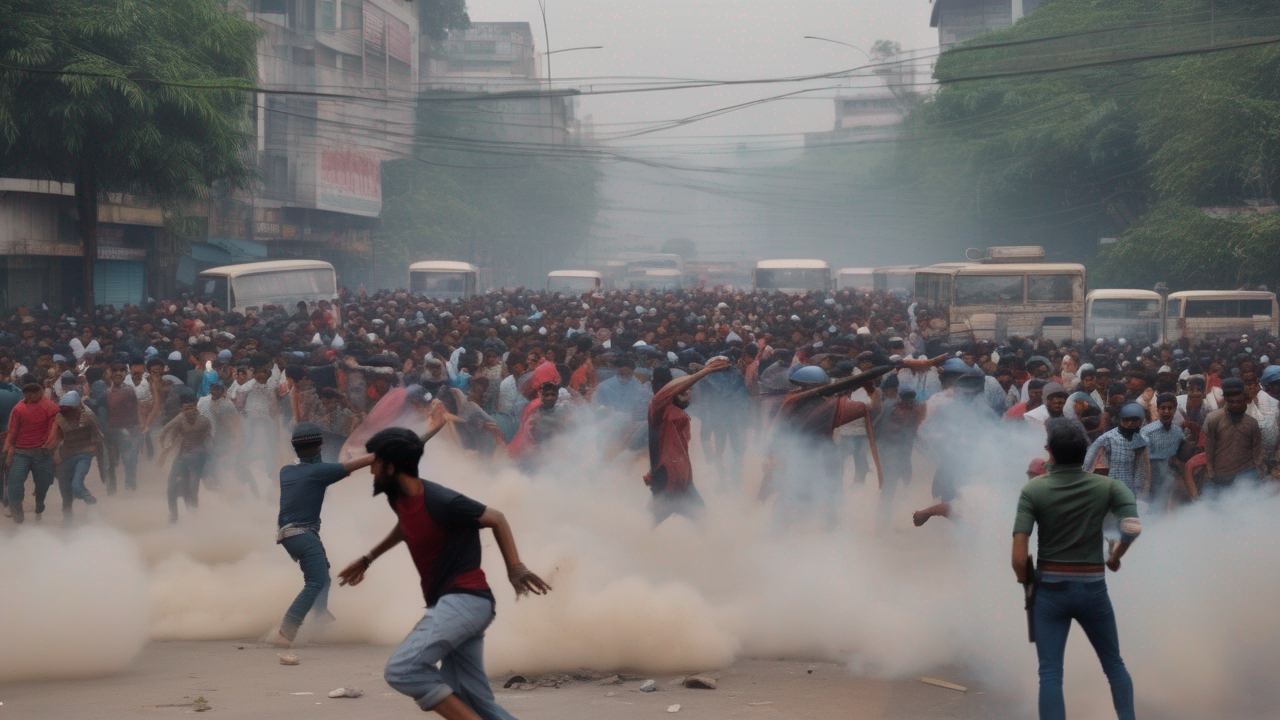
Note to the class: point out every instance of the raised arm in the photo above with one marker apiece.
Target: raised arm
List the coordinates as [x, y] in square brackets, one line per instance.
[680, 384]
[522, 579]
[846, 385]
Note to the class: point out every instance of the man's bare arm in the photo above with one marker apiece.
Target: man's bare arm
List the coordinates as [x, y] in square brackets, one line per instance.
[522, 579]
[1021, 551]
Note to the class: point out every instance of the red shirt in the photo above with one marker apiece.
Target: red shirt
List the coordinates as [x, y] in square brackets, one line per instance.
[442, 531]
[672, 427]
[29, 423]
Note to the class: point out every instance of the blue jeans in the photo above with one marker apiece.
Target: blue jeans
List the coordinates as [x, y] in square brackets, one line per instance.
[451, 634]
[123, 445]
[1057, 604]
[307, 550]
[72, 473]
[37, 462]
[184, 480]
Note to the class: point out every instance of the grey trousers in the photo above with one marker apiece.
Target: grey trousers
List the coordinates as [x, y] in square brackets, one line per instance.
[451, 634]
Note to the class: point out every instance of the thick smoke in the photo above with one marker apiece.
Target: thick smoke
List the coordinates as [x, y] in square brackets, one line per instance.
[1198, 630]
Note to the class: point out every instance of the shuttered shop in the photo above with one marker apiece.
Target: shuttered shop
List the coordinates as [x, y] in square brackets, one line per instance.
[119, 282]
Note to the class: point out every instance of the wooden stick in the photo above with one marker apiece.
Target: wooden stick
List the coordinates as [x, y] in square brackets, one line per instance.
[875, 454]
[943, 684]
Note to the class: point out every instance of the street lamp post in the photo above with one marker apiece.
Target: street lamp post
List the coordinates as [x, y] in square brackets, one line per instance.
[1162, 287]
[901, 105]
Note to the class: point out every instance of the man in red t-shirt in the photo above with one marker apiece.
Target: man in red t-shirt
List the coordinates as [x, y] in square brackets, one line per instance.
[24, 451]
[670, 471]
[442, 531]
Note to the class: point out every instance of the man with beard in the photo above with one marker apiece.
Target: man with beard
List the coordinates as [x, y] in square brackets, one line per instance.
[1034, 391]
[442, 531]
[1055, 399]
[1232, 440]
[670, 477]
[1126, 451]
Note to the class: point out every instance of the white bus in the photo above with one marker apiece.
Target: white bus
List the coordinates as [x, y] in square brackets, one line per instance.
[283, 283]
[897, 280]
[989, 301]
[1217, 314]
[573, 282]
[654, 279]
[793, 276]
[444, 279]
[855, 278]
[1130, 314]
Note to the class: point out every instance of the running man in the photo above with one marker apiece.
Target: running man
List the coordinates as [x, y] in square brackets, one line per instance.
[670, 475]
[442, 531]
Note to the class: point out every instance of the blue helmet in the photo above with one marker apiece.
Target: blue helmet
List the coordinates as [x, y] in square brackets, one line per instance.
[1270, 375]
[808, 375]
[953, 366]
[1132, 410]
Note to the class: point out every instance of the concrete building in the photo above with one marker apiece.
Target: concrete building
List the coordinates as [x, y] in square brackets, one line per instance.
[41, 258]
[864, 114]
[961, 20]
[319, 160]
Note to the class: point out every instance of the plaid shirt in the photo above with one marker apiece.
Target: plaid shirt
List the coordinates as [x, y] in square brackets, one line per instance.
[1162, 444]
[1123, 456]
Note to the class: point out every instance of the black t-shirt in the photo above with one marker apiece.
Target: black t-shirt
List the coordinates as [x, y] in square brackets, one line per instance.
[442, 530]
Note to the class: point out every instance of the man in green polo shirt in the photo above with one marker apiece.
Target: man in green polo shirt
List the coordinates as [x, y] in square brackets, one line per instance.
[1069, 506]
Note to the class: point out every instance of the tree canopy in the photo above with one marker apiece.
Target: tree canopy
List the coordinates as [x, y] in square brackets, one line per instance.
[1056, 132]
[135, 96]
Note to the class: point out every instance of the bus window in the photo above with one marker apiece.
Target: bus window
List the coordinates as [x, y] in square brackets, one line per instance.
[1175, 308]
[285, 284]
[1049, 288]
[1213, 308]
[988, 290]
[799, 278]
[1250, 308]
[1126, 309]
[213, 287]
[442, 285]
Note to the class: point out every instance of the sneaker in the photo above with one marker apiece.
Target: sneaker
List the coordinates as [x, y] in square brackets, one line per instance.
[39, 508]
[276, 639]
[16, 513]
[89, 499]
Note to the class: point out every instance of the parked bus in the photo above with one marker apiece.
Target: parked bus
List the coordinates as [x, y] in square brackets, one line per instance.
[1217, 314]
[898, 280]
[654, 279]
[573, 282]
[1130, 314]
[855, 278]
[283, 283]
[793, 276]
[444, 279]
[988, 301]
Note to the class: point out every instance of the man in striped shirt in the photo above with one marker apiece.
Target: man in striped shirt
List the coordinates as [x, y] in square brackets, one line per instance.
[1069, 506]
[1126, 450]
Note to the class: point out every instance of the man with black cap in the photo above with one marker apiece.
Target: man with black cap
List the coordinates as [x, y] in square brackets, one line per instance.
[302, 489]
[1232, 440]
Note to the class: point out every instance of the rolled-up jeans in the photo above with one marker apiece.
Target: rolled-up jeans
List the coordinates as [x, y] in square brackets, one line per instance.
[72, 472]
[39, 463]
[1056, 605]
[307, 550]
[451, 634]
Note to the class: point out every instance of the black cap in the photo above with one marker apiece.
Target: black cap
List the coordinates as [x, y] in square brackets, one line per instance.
[306, 434]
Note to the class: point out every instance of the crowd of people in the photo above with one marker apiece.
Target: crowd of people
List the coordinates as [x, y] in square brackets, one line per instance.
[831, 388]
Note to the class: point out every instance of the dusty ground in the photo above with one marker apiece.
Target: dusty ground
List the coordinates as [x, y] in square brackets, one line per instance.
[245, 680]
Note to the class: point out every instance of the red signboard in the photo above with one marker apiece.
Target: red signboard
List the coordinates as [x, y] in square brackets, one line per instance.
[350, 181]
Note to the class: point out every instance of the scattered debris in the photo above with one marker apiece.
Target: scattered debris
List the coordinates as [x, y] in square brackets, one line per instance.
[302, 693]
[515, 680]
[349, 692]
[758, 704]
[700, 682]
[943, 684]
[239, 647]
[201, 705]
[673, 709]
[811, 668]
[554, 680]
[649, 686]
[288, 659]
[526, 687]
[611, 680]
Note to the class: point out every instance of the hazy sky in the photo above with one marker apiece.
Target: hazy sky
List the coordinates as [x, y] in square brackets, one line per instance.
[716, 39]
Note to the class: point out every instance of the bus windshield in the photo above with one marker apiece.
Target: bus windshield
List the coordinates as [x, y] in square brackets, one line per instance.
[854, 281]
[212, 288]
[571, 284]
[1126, 309]
[447, 285]
[793, 278]
[988, 290]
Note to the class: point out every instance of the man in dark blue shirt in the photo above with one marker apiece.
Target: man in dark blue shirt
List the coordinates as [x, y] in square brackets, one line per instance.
[302, 488]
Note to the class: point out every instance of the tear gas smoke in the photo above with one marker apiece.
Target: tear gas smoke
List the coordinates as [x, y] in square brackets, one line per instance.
[1198, 631]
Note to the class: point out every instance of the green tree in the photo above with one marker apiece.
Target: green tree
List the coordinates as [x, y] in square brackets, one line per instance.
[137, 96]
[1111, 147]
[438, 17]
